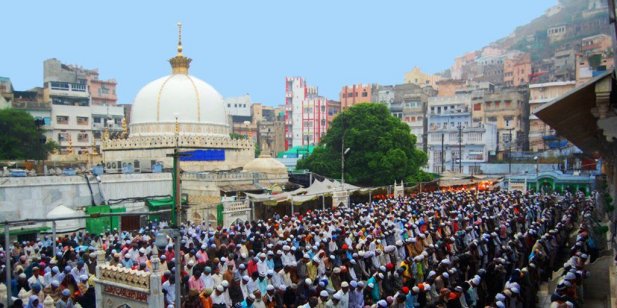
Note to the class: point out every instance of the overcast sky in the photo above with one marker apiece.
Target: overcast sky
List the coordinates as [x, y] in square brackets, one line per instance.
[249, 47]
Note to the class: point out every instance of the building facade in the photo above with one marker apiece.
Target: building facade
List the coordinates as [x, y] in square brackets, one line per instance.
[595, 58]
[305, 113]
[420, 78]
[539, 95]
[508, 111]
[82, 107]
[356, 94]
[517, 70]
[454, 142]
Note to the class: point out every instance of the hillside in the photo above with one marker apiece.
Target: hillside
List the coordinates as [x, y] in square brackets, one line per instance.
[582, 18]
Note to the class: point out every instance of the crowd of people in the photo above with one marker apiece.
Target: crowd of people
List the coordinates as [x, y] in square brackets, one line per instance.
[440, 249]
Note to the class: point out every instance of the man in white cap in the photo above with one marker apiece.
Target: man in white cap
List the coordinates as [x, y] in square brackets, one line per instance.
[344, 294]
[218, 297]
[262, 265]
[141, 257]
[335, 301]
[356, 296]
[323, 298]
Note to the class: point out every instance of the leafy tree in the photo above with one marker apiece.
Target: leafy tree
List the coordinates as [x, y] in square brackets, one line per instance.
[20, 138]
[257, 149]
[382, 149]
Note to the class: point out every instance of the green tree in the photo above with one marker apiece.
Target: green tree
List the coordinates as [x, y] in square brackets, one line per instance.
[382, 149]
[20, 138]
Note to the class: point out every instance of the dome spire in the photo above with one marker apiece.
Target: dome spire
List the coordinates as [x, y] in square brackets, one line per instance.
[180, 64]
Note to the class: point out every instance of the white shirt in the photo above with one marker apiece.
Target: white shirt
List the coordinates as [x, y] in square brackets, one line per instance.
[171, 291]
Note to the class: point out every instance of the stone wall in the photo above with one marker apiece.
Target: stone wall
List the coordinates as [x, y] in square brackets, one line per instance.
[34, 197]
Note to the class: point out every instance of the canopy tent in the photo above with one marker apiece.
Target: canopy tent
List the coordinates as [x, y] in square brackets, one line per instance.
[317, 189]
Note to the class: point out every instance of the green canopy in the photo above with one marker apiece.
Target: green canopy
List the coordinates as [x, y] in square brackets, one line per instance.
[163, 203]
[296, 151]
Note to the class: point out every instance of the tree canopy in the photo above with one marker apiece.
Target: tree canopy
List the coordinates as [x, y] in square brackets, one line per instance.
[382, 148]
[20, 138]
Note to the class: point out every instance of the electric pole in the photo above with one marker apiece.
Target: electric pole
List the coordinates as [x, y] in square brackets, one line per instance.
[442, 152]
[460, 148]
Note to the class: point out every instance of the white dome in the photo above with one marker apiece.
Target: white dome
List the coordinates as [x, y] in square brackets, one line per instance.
[63, 226]
[267, 165]
[193, 100]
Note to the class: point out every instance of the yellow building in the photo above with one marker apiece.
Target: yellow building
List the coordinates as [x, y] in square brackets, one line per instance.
[418, 77]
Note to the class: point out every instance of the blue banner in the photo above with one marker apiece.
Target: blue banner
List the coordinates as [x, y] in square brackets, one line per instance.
[203, 155]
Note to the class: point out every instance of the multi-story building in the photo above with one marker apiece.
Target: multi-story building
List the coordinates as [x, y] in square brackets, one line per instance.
[334, 108]
[408, 103]
[449, 87]
[596, 57]
[517, 69]
[460, 69]
[491, 69]
[420, 78]
[270, 123]
[356, 94]
[508, 111]
[239, 106]
[102, 92]
[540, 94]
[454, 142]
[32, 102]
[563, 65]
[305, 113]
[271, 137]
[82, 106]
[107, 118]
[557, 33]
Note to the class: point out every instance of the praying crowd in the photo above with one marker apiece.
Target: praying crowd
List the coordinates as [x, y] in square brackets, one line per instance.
[439, 249]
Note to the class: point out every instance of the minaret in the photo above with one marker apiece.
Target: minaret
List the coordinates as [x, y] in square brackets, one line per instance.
[180, 64]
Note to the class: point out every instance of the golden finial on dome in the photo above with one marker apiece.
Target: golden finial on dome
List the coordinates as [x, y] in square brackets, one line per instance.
[180, 64]
[179, 38]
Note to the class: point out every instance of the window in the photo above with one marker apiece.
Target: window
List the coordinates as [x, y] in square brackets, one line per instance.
[64, 136]
[82, 137]
[497, 104]
[82, 120]
[506, 137]
[477, 107]
[62, 120]
[508, 103]
[474, 137]
[228, 105]
[364, 94]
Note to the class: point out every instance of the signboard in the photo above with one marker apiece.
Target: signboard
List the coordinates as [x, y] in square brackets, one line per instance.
[126, 293]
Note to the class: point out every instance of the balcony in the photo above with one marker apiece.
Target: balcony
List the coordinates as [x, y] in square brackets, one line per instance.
[67, 89]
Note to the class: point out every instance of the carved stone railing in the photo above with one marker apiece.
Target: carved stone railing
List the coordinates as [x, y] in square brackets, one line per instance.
[231, 176]
[125, 276]
[236, 206]
[183, 141]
